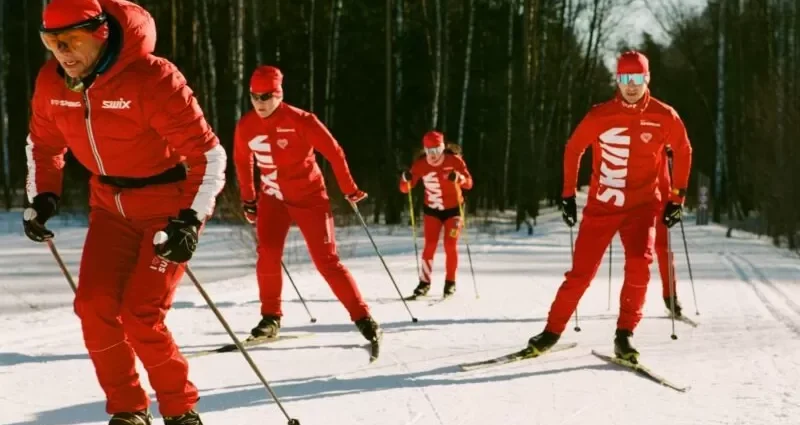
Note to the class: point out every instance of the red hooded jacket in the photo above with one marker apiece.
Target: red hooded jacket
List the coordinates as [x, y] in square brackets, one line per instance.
[138, 118]
[628, 154]
[282, 146]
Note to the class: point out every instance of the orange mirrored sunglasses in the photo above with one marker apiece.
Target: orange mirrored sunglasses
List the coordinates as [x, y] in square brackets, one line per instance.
[72, 37]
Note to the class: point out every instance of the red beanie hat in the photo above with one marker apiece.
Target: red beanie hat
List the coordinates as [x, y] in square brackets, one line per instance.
[633, 63]
[266, 79]
[69, 13]
[432, 139]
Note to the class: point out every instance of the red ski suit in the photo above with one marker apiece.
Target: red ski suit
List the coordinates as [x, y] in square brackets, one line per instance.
[293, 189]
[138, 119]
[442, 203]
[628, 153]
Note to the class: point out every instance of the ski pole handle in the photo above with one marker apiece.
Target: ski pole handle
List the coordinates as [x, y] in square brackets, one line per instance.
[29, 214]
[160, 237]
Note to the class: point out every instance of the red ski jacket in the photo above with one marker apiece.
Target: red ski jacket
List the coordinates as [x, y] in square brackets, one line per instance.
[627, 154]
[440, 193]
[137, 119]
[282, 146]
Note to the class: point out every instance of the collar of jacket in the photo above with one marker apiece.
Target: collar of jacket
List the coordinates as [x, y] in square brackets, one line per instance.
[634, 108]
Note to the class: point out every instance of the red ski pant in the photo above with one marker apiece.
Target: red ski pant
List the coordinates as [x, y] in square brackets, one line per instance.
[316, 224]
[123, 296]
[636, 228]
[432, 229]
[666, 260]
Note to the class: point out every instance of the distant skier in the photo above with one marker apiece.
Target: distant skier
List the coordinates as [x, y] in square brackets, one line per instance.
[665, 260]
[628, 135]
[282, 140]
[444, 174]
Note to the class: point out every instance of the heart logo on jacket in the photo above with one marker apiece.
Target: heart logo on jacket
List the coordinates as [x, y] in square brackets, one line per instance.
[282, 143]
[646, 137]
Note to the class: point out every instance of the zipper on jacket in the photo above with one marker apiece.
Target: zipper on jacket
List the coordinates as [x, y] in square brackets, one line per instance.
[88, 118]
[93, 144]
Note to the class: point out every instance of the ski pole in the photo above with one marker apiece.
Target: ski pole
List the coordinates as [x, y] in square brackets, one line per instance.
[673, 296]
[466, 243]
[413, 227]
[30, 214]
[572, 254]
[364, 225]
[161, 237]
[61, 264]
[286, 270]
[610, 254]
[689, 264]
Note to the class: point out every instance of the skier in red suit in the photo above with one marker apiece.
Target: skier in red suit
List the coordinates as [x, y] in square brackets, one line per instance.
[444, 174]
[666, 259]
[628, 135]
[129, 117]
[281, 139]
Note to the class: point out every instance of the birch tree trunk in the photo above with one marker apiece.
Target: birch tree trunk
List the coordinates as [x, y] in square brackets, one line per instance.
[512, 8]
[4, 111]
[720, 118]
[237, 33]
[467, 58]
[333, 51]
[212, 64]
[437, 74]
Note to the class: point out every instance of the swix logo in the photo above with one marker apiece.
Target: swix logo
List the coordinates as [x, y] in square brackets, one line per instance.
[66, 103]
[117, 104]
[649, 123]
[284, 130]
[158, 264]
[269, 171]
[615, 152]
[434, 190]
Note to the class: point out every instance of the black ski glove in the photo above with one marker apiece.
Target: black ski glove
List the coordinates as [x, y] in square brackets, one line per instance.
[406, 176]
[181, 237]
[569, 211]
[672, 214]
[44, 206]
[250, 209]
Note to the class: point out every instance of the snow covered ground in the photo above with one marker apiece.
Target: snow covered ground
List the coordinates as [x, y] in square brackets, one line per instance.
[742, 361]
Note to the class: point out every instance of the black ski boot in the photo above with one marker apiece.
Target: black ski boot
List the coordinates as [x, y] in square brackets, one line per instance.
[623, 348]
[268, 327]
[189, 418]
[373, 333]
[449, 288]
[142, 417]
[543, 342]
[422, 289]
[678, 308]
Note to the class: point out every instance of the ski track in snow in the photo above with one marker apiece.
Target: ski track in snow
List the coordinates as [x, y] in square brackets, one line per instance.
[741, 362]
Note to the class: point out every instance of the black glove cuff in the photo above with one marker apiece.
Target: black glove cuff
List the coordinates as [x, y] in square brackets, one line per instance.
[189, 216]
[46, 205]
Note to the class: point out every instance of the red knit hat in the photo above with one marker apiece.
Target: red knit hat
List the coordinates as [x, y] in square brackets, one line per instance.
[66, 14]
[432, 139]
[632, 62]
[266, 79]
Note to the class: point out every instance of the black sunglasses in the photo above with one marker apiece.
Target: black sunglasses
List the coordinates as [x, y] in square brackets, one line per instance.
[261, 97]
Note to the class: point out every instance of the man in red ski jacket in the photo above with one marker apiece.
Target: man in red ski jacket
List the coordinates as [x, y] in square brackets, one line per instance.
[130, 119]
[628, 135]
[444, 174]
[280, 140]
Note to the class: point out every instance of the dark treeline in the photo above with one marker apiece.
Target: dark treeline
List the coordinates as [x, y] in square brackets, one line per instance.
[506, 79]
